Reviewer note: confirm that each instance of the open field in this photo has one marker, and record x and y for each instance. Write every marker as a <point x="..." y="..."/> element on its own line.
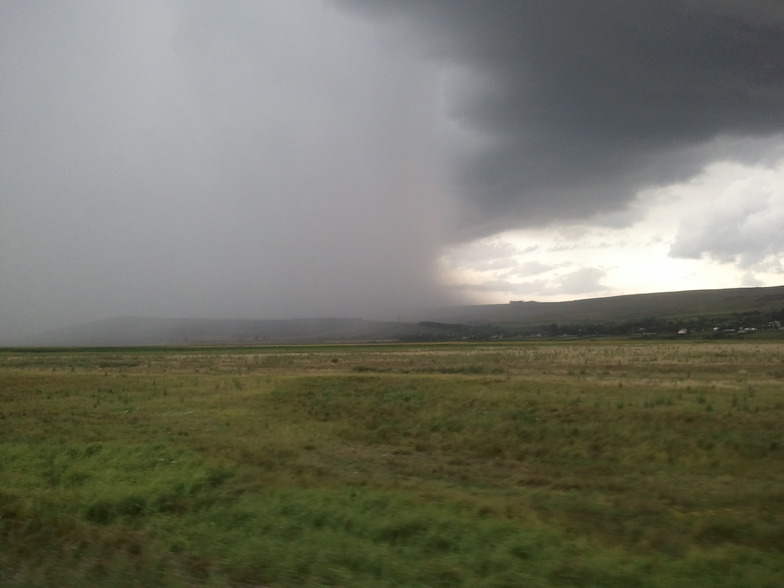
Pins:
<point x="582" y="463"/>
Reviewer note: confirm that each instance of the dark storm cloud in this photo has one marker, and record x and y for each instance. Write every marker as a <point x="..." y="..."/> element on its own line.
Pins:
<point x="576" y="105"/>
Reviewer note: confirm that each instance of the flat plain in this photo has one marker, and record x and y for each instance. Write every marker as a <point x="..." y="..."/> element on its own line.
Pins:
<point x="551" y="463"/>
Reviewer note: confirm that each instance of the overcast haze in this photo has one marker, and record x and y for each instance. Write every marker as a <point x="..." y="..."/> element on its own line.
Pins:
<point x="285" y="158"/>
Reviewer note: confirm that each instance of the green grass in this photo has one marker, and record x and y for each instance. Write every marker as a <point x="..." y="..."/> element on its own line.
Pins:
<point x="529" y="464"/>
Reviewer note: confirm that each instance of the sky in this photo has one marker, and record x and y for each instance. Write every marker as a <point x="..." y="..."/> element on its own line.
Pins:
<point x="362" y="158"/>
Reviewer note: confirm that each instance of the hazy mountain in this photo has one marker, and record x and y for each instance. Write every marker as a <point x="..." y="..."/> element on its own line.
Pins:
<point x="183" y="331"/>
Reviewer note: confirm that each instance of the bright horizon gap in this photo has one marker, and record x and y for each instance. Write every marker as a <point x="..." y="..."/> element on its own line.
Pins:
<point x="659" y="250"/>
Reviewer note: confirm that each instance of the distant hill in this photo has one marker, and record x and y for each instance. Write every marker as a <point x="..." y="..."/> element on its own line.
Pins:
<point x="617" y="314"/>
<point x="709" y="305"/>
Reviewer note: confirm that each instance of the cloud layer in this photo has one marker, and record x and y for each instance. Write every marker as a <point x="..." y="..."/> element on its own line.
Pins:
<point x="579" y="105"/>
<point x="295" y="158"/>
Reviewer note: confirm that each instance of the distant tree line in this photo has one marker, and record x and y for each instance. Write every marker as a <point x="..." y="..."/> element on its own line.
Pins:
<point x="715" y="326"/>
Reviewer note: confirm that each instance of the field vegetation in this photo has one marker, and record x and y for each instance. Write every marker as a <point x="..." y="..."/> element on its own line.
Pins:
<point x="553" y="463"/>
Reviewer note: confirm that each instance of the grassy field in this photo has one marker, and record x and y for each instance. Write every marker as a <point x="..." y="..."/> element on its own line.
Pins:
<point x="584" y="463"/>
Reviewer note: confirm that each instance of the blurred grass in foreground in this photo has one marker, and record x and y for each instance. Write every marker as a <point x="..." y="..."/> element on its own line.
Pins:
<point x="526" y="464"/>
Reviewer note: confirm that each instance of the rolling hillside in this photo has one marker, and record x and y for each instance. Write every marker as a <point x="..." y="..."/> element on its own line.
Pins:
<point x="688" y="305"/>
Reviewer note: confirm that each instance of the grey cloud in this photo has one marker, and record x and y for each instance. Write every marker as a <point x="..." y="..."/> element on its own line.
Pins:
<point x="563" y="247"/>
<point x="504" y="286"/>
<point x="242" y="159"/>
<point x="490" y="250"/>
<point x="531" y="268"/>
<point x="582" y="281"/>
<point x="580" y="104"/>
<point x="750" y="281"/>
<point x="744" y="230"/>
<point x="496" y="256"/>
